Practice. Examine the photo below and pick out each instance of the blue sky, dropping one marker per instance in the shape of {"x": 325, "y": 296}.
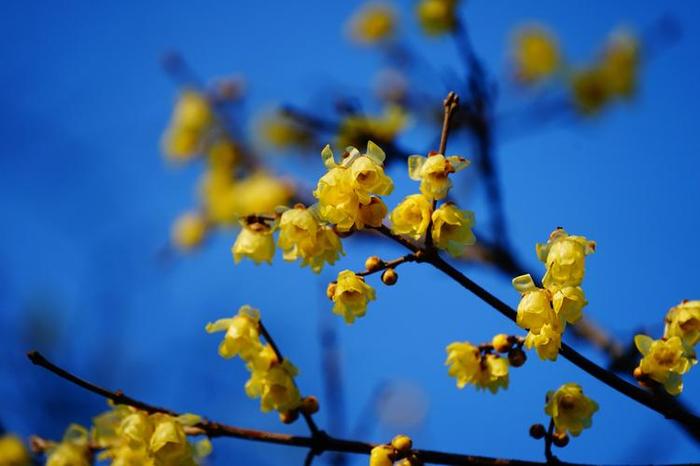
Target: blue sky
{"x": 88, "y": 200}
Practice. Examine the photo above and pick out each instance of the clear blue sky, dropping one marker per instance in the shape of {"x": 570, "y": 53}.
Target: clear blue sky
{"x": 87, "y": 202}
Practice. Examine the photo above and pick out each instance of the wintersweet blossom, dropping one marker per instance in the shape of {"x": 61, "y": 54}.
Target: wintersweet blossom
{"x": 412, "y": 216}
{"x": 303, "y": 237}
{"x": 433, "y": 171}
{"x": 437, "y": 17}
{"x": 192, "y": 116}
{"x": 73, "y": 450}
{"x": 546, "y": 341}
{"x": 373, "y": 23}
{"x": 354, "y": 130}
{"x": 351, "y": 295}
{"x": 564, "y": 256}
{"x": 13, "y": 452}
{"x": 570, "y": 409}
{"x": 452, "y": 229}
{"x": 275, "y": 387}
{"x": 189, "y": 231}
{"x": 664, "y": 361}
{"x": 683, "y": 321}
{"x": 242, "y": 334}
{"x": 469, "y": 366}
{"x": 254, "y": 241}
{"x": 535, "y": 54}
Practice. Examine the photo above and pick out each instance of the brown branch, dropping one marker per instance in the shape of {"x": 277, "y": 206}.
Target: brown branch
{"x": 661, "y": 405}
{"x": 319, "y": 444}
{"x": 392, "y": 264}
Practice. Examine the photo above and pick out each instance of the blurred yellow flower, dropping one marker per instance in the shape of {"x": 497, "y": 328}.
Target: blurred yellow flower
{"x": 372, "y": 24}
{"x": 412, "y": 216}
{"x": 437, "y": 16}
{"x": 351, "y": 296}
{"x": 433, "y": 171}
{"x": 261, "y": 193}
{"x": 13, "y": 452}
{"x": 303, "y": 237}
{"x": 665, "y": 361}
{"x": 589, "y": 89}
{"x": 469, "y": 366}
{"x": 356, "y": 130}
{"x": 382, "y": 455}
{"x": 189, "y": 231}
{"x": 73, "y": 450}
{"x": 619, "y": 64}
{"x": 191, "y": 119}
{"x": 222, "y": 155}
{"x": 683, "y": 321}
{"x": 242, "y": 334}
{"x": 254, "y": 241}
{"x": 283, "y": 131}
{"x": 535, "y": 54}
{"x": 452, "y": 229}
{"x": 570, "y": 409}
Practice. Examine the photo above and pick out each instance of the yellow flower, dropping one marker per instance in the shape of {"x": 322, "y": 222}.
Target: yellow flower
{"x": 535, "y": 307}
{"x": 683, "y": 321}
{"x": 590, "y": 90}
{"x": 382, "y": 455}
{"x": 302, "y": 237}
{"x": 242, "y": 334}
{"x": 222, "y": 154}
{"x": 13, "y": 452}
{"x": 351, "y": 296}
{"x": 372, "y": 213}
{"x": 283, "y": 131}
{"x": 73, "y": 449}
{"x": 564, "y": 256}
{"x": 664, "y": 361}
{"x": 260, "y": 193}
{"x": 136, "y": 428}
{"x": 452, "y": 229}
{"x": 433, "y": 171}
{"x": 347, "y": 192}
{"x": 168, "y": 444}
{"x": 546, "y": 341}
{"x": 218, "y": 197}
{"x": 536, "y": 54}
{"x": 189, "y": 231}
{"x": 254, "y": 241}
{"x": 275, "y": 387}
{"x": 468, "y": 366}
{"x": 355, "y": 130}
{"x": 620, "y": 62}
{"x": 570, "y": 409}
{"x": 568, "y": 302}
{"x": 373, "y": 24}
{"x": 191, "y": 118}
{"x": 412, "y": 216}
{"x": 437, "y": 16}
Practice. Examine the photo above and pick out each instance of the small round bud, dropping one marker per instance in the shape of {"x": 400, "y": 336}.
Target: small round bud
{"x": 389, "y": 277}
{"x": 330, "y": 290}
{"x": 638, "y": 374}
{"x": 537, "y": 431}
{"x": 287, "y": 417}
{"x": 402, "y": 443}
{"x": 373, "y": 263}
{"x": 309, "y": 405}
{"x": 501, "y": 343}
{"x": 516, "y": 357}
{"x": 560, "y": 439}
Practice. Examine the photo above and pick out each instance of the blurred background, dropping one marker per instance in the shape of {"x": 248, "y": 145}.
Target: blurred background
{"x": 88, "y": 201}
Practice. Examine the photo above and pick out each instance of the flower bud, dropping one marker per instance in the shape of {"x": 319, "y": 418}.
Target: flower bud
{"x": 402, "y": 443}
{"x": 537, "y": 431}
{"x": 373, "y": 263}
{"x": 330, "y": 290}
{"x": 501, "y": 343}
{"x": 389, "y": 277}
{"x": 516, "y": 357}
{"x": 309, "y": 405}
{"x": 288, "y": 417}
{"x": 638, "y": 374}
{"x": 560, "y": 439}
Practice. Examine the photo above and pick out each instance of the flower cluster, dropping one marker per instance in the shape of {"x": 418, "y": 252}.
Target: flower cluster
{"x": 72, "y": 450}
{"x": 13, "y": 452}
{"x": 612, "y": 76}
{"x": 470, "y": 365}
{"x": 570, "y": 409}
{"x": 271, "y": 380}
{"x": 229, "y": 189}
{"x": 348, "y": 193}
{"x": 128, "y": 436}
{"x": 303, "y": 236}
{"x": 665, "y": 360}
{"x": 544, "y": 312}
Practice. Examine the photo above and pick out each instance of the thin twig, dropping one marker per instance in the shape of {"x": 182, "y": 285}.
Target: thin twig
{"x": 392, "y": 264}
{"x": 646, "y": 398}
{"x": 549, "y": 436}
{"x": 319, "y": 443}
